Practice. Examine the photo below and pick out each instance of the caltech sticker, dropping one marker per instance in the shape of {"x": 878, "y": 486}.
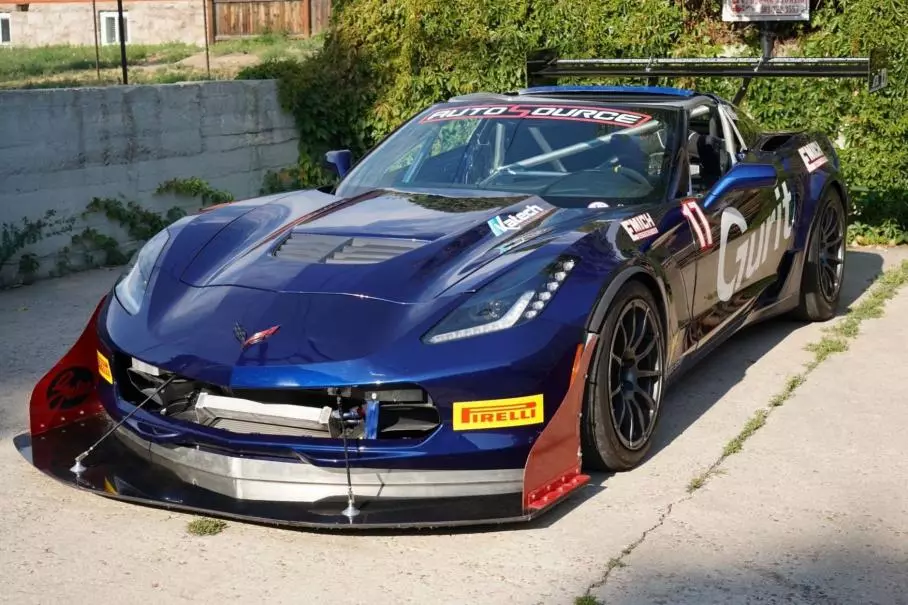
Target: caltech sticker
{"x": 640, "y": 226}
{"x": 512, "y": 222}
{"x": 813, "y": 156}
{"x": 574, "y": 113}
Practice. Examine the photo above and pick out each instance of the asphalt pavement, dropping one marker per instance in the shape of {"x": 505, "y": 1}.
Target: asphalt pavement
{"x": 814, "y": 510}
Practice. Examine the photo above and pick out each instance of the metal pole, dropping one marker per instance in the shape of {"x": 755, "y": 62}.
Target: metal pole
{"x": 94, "y": 17}
{"x": 122, "y": 41}
{"x": 767, "y": 42}
{"x": 205, "y": 17}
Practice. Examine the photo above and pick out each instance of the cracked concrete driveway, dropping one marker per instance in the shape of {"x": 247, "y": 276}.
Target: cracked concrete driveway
{"x": 741, "y": 533}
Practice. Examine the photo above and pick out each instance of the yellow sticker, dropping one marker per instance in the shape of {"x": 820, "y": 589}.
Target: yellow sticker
{"x": 498, "y": 413}
{"x": 104, "y": 368}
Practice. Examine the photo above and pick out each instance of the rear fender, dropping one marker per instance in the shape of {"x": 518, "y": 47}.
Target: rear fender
{"x": 68, "y": 393}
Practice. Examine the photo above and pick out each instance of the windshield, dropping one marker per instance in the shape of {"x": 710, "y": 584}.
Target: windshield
{"x": 573, "y": 153}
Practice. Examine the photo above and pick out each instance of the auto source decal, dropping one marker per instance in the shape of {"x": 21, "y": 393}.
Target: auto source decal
{"x": 574, "y": 113}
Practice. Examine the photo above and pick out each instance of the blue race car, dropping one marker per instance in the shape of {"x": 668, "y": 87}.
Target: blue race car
{"x": 489, "y": 305}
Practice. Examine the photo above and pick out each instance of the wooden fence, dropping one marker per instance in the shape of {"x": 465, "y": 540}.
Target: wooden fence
{"x": 244, "y": 18}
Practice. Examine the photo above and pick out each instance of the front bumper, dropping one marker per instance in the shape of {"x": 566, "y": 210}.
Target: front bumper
{"x": 116, "y": 470}
{"x": 67, "y": 418}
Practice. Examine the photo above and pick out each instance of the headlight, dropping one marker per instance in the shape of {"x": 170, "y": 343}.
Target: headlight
{"x": 510, "y": 300}
{"x": 131, "y": 289}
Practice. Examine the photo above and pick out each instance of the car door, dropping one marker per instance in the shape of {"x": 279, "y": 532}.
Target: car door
{"x": 743, "y": 233}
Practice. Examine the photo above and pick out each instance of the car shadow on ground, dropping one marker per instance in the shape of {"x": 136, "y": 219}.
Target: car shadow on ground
{"x": 706, "y": 383}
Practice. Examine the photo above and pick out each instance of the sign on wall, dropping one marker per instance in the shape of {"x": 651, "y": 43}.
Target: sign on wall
{"x": 765, "y": 10}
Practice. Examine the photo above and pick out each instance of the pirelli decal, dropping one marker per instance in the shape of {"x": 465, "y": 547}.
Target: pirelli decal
{"x": 498, "y": 413}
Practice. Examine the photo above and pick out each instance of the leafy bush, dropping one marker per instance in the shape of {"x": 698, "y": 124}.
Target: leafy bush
{"x": 384, "y": 60}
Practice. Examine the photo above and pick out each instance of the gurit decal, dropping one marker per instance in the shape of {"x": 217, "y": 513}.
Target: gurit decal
{"x": 752, "y": 248}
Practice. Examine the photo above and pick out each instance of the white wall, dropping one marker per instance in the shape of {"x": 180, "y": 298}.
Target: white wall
{"x": 59, "y": 148}
{"x": 150, "y": 22}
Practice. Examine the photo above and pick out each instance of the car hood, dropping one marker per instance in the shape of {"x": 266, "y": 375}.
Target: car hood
{"x": 391, "y": 245}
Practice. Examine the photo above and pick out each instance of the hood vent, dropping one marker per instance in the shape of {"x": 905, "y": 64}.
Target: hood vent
{"x": 341, "y": 249}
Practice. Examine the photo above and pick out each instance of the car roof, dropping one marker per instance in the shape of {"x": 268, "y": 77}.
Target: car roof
{"x": 651, "y": 95}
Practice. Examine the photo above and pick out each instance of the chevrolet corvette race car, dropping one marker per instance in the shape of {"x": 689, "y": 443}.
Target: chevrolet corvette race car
{"x": 489, "y": 305}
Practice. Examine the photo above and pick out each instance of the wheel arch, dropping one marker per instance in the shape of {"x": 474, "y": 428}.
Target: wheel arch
{"x": 640, "y": 273}
{"x": 831, "y": 182}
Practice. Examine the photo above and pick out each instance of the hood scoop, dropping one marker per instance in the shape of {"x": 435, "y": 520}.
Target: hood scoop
{"x": 314, "y": 248}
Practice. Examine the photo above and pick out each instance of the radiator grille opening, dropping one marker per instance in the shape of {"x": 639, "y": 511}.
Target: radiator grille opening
{"x": 403, "y": 411}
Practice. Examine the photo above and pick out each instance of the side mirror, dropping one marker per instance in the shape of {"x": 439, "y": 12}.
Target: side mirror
{"x": 741, "y": 177}
{"x": 339, "y": 161}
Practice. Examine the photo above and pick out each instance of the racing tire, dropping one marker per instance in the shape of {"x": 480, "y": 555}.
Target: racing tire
{"x": 824, "y": 262}
{"x": 626, "y": 380}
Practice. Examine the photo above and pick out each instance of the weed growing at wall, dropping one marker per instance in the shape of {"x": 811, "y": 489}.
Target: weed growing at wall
{"x": 97, "y": 249}
{"x": 195, "y": 187}
{"x": 15, "y": 237}
{"x": 279, "y": 181}
{"x": 384, "y": 60}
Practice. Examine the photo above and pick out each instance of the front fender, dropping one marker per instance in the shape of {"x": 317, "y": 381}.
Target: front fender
{"x": 621, "y": 276}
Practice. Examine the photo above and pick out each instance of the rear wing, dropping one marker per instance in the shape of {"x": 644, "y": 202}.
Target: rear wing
{"x": 544, "y": 68}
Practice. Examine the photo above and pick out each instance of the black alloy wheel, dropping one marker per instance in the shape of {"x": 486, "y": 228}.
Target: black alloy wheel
{"x": 625, "y": 383}
{"x": 831, "y": 260}
{"x": 823, "y": 272}
{"x": 635, "y": 374}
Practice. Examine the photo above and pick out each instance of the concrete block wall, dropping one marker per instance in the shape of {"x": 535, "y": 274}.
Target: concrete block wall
{"x": 62, "y": 147}
{"x": 150, "y": 22}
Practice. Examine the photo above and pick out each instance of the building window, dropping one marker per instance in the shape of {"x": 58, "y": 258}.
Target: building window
{"x": 110, "y": 27}
{"x": 4, "y": 29}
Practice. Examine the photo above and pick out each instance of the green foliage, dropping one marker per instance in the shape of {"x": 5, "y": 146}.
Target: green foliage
{"x": 139, "y": 223}
{"x": 279, "y": 181}
{"x": 28, "y": 265}
{"x": 98, "y": 249}
{"x": 384, "y": 60}
{"x": 14, "y": 237}
{"x": 206, "y": 526}
{"x": 40, "y": 61}
{"x": 91, "y": 242}
{"x": 195, "y": 187}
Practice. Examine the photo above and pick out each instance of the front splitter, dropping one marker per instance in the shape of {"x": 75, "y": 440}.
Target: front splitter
{"x": 114, "y": 471}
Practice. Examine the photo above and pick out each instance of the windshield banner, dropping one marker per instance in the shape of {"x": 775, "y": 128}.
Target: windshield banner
{"x": 575, "y": 113}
